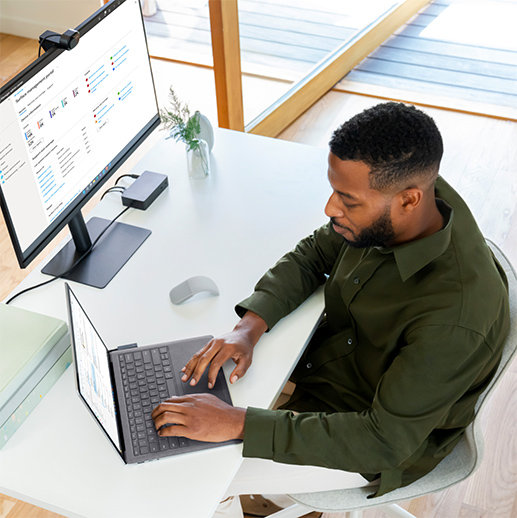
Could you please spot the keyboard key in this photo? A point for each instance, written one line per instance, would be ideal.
(163, 444)
(166, 362)
(146, 356)
(142, 383)
(144, 450)
(159, 374)
(154, 448)
(128, 357)
(183, 441)
(138, 413)
(132, 379)
(137, 355)
(167, 369)
(141, 435)
(156, 357)
(133, 385)
(134, 392)
(164, 349)
(136, 451)
(168, 375)
(173, 442)
(140, 377)
(153, 392)
(140, 428)
(139, 420)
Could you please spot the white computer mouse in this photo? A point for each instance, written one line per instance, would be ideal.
(192, 286)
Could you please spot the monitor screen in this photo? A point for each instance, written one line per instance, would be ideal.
(92, 369)
(70, 120)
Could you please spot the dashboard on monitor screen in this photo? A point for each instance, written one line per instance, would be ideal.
(70, 120)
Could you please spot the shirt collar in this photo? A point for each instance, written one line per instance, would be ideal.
(414, 255)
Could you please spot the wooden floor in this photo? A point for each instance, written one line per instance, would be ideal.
(434, 54)
(480, 160)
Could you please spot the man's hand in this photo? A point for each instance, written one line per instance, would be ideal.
(237, 345)
(202, 417)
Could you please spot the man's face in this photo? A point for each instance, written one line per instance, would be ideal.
(360, 214)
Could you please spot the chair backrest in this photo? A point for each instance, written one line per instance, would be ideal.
(510, 346)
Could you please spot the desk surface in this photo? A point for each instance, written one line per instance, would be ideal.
(263, 195)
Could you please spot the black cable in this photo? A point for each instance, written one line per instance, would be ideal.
(75, 263)
(115, 188)
(135, 176)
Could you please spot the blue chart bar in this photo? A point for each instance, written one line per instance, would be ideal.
(118, 64)
(123, 49)
(94, 87)
(104, 112)
(125, 91)
(92, 76)
(46, 183)
(45, 174)
(53, 192)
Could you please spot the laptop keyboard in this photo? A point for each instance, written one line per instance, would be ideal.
(147, 378)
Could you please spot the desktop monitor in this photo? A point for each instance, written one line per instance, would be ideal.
(67, 123)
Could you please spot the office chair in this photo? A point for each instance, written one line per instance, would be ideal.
(456, 467)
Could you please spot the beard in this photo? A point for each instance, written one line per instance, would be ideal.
(379, 233)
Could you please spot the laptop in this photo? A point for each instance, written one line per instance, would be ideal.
(121, 387)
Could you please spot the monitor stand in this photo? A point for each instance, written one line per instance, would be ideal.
(108, 256)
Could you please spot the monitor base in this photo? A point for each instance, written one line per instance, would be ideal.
(108, 256)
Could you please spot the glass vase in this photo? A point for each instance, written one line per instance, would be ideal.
(198, 160)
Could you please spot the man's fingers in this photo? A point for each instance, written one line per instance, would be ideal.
(192, 364)
(203, 363)
(169, 418)
(173, 431)
(240, 369)
(174, 404)
(216, 364)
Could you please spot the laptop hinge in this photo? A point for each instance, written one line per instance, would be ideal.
(128, 346)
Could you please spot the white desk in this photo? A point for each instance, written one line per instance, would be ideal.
(263, 196)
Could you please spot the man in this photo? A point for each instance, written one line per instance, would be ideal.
(416, 312)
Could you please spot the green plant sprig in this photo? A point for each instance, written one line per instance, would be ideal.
(177, 119)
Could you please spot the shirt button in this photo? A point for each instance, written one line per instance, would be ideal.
(357, 280)
(349, 341)
(309, 365)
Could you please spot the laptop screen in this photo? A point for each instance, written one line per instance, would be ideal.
(92, 367)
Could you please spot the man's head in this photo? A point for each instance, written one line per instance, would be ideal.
(383, 164)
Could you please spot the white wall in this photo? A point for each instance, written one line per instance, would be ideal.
(29, 18)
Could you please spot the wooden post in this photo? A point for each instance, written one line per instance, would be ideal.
(224, 24)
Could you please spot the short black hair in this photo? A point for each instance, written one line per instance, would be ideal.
(398, 142)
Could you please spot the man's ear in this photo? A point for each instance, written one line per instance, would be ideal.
(409, 199)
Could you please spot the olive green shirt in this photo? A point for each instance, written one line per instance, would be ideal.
(410, 338)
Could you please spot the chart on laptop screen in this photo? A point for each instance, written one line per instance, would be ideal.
(93, 370)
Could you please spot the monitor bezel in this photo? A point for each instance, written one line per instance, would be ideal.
(25, 257)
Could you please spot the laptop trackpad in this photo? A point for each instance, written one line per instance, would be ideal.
(181, 354)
